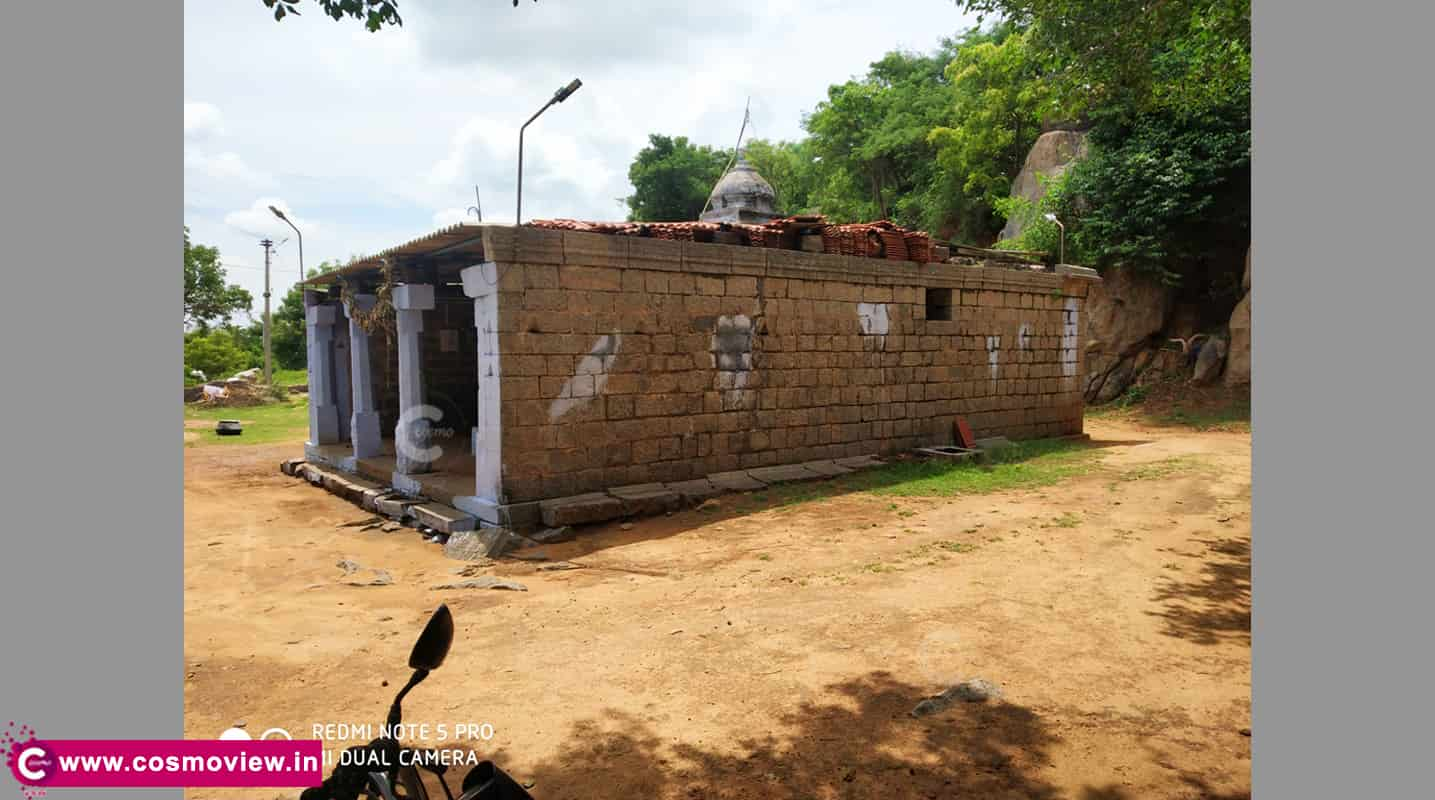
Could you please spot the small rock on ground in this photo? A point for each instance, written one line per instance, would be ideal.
(553, 535)
(381, 578)
(976, 690)
(349, 567)
(485, 582)
(558, 565)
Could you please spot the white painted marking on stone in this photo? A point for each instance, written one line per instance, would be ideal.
(1070, 333)
(589, 377)
(994, 344)
(873, 318)
(1023, 336)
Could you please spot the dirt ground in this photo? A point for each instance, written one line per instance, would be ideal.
(773, 653)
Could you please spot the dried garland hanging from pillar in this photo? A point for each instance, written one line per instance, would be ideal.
(381, 316)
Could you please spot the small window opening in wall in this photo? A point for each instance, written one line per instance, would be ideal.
(939, 304)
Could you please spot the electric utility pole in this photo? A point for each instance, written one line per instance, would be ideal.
(268, 369)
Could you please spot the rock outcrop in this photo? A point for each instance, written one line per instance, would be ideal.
(1052, 153)
(1238, 359)
(1209, 362)
(1124, 313)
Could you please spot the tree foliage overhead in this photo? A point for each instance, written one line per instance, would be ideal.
(207, 298)
(374, 13)
(1000, 98)
(869, 142)
(672, 179)
(1134, 56)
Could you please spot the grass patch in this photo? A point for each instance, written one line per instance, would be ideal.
(1233, 417)
(291, 377)
(273, 422)
(1024, 465)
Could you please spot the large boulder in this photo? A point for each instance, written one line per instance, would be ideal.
(1050, 155)
(1124, 313)
(1209, 361)
(1238, 359)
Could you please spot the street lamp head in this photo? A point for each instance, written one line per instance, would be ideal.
(563, 93)
(278, 213)
(1050, 217)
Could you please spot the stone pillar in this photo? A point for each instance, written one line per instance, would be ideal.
(323, 412)
(412, 450)
(481, 283)
(364, 423)
(343, 393)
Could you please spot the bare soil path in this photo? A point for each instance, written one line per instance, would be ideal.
(770, 653)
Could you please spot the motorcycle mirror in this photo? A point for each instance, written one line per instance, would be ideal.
(432, 647)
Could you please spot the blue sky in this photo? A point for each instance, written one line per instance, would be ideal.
(371, 139)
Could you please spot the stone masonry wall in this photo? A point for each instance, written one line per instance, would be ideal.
(627, 360)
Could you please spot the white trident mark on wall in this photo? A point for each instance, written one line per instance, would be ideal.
(589, 378)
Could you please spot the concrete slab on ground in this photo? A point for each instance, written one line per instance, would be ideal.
(644, 499)
(827, 469)
(735, 481)
(442, 518)
(784, 473)
(696, 491)
(859, 462)
(580, 509)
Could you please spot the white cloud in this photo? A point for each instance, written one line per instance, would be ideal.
(376, 138)
(225, 168)
(202, 121)
(259, 220)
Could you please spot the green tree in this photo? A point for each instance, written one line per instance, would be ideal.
(869, 139)
(287, 334)
(207, 298)
(672, 179)
(789, 167)
(374, 13)
(217, 353)
(1136, 56)
(1165, 192)
(1001, 97)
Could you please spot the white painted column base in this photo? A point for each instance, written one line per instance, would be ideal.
(367, 434)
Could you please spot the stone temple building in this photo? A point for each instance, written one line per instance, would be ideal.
(502, 371)
(741, 196)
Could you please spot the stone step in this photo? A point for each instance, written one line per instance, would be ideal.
(580, 509)
(442, 518)
(784, 473)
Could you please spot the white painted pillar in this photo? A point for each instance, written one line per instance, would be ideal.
(364, 423)
(481, 283)
(343, 390)
(323, 412)
(411, 446)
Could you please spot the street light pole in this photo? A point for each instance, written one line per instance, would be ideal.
(558, 97)
(280, 214)
(268, 360)
(1061, 257)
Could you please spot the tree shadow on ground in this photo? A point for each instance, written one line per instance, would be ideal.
(860, 743)
(1214, 606)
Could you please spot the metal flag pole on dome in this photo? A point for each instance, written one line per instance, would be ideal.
(746, 117)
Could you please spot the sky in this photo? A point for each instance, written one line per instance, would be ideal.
(368, 140)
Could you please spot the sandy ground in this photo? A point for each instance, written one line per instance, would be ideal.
(772, 654)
